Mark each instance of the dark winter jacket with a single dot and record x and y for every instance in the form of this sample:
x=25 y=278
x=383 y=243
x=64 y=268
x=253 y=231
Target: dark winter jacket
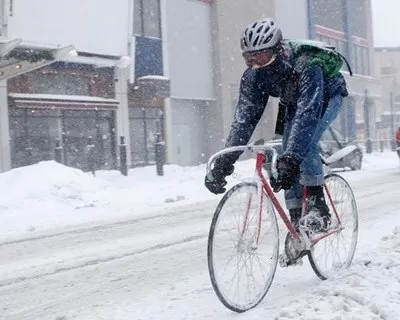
x=306 y=93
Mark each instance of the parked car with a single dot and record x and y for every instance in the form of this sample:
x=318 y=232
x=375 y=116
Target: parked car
x=332 y=141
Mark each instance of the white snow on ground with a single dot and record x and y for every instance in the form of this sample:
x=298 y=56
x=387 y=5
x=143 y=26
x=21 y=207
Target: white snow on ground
x=48 y=197
x=370 y=289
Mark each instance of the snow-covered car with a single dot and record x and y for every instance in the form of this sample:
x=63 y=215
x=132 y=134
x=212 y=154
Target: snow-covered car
x=333 y=140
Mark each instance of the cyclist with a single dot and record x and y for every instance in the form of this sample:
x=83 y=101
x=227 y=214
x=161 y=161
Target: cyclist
x=311 y=102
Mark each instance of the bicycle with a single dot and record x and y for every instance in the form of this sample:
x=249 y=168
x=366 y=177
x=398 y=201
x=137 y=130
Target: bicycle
x=243 y=252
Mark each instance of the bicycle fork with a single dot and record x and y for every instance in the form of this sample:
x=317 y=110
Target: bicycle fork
x=247 y=218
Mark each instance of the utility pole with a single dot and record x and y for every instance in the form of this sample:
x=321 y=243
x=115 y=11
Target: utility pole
x=392 y=131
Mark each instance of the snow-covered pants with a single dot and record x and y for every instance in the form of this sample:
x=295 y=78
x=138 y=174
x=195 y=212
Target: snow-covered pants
x=312 y=173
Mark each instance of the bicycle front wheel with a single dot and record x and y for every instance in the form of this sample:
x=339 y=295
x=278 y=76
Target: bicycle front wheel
x=243 y=247
x=335 y=253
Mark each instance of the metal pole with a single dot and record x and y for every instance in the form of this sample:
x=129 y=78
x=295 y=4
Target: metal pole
x=59 y=152
x=123 y=157
x=159 y=146
x=368 y=145
x=311 y=24
x=91 y=155
x=347 y=31
x=392 y=131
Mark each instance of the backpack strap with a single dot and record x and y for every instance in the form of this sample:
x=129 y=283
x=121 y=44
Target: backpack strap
x=346 y=62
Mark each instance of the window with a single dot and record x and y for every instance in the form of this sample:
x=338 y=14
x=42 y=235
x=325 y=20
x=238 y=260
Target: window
x=65 y=84
x=34 y=133
x=360 y=55
x=365 y=55
x=342 y=48
x=147 y=18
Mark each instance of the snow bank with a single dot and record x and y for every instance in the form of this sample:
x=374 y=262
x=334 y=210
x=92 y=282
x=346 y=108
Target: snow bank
x=46 y=182
x=370 y=290
x=49 y=195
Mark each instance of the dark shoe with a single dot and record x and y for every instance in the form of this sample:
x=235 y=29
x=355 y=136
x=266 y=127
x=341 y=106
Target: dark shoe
x=318 y=216
x=315 y=222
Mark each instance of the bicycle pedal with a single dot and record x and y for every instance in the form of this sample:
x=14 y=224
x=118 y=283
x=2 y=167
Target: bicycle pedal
x=285 y=262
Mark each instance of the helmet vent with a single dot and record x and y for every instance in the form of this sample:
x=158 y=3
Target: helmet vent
x=267 y=29
x=256 y=40
x=268 y=39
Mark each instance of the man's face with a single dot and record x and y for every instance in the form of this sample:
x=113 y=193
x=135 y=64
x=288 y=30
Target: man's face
x=258 y=59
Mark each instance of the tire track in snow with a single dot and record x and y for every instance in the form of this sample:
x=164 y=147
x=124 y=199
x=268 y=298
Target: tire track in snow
x=167 y=213
x=98 y=261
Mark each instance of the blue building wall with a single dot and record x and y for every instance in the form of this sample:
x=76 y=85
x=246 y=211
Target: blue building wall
x=149 y=59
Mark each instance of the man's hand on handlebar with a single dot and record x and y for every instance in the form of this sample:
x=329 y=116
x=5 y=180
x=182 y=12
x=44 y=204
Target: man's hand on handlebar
x=215 y=180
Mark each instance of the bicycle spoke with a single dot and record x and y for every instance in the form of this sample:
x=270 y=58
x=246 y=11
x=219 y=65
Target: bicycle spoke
x=243 y=253
x=335 y=252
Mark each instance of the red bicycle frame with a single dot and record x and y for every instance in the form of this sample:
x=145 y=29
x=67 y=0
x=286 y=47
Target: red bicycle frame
x=266 y=187
x=259 y=164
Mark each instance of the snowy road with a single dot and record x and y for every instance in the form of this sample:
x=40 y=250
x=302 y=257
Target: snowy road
x=156 y=268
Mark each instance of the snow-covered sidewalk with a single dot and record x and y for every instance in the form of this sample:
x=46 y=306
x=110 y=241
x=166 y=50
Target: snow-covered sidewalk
x=48 y=195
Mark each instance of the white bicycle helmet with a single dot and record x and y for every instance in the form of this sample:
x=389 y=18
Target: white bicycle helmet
x=259 y=35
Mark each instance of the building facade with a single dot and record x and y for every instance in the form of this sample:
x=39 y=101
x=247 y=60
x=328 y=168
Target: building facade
x=189 y=65
x=345 y=24
x=388 y=67
x=142 y=69
x=98 y=93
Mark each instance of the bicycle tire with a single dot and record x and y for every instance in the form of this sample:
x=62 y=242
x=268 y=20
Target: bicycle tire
x=345 y=203
x=244 y=245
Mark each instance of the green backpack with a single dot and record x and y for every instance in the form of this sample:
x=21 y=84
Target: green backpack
x=309 y=52
x=306 y=53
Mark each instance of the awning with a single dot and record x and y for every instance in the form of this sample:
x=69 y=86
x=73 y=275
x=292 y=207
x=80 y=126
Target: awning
x=53 y=101
x=151 y=87
x=18 y=57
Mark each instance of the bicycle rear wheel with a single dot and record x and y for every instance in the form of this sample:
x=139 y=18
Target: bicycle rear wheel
x=335 y=253
x=243 y=247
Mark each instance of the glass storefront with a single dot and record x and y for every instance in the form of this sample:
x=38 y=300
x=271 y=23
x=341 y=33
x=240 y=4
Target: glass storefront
x=34 y=133
x=144 y=125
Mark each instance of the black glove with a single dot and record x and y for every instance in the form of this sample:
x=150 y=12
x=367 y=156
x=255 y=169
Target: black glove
x=275 y=184
x=215 y=179
x=288 y=171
